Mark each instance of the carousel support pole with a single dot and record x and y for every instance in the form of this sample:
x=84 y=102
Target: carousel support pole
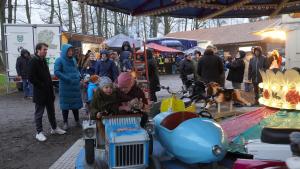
x=219 y=107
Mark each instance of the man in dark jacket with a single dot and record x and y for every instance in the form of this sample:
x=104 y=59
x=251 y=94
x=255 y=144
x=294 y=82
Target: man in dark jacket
x=153 y=76
x=43 y=94
x=22 y=67
x=258 y=62
x=236 y=70
x=210 y=67
x=106 y=67
x=186 y=70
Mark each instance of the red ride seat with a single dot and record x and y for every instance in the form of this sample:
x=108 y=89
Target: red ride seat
x=174 y=119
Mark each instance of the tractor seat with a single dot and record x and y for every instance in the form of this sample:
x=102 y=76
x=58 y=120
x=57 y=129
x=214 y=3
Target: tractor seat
x=174 y=119
x=277 y=135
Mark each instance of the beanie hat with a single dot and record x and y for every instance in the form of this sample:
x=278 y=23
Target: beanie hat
x=242 y=54
x=125 y=79
x=105 y=81
x=104 y=51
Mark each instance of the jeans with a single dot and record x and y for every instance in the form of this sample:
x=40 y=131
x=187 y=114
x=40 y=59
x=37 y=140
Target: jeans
x=248 y=87
x=27 y=88
x=38 y=115
x=65 y=114
x=236 y=85
x=174 y=68
x=256 y=91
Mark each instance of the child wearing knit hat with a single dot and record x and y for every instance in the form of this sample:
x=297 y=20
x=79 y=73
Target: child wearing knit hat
x=107 y=99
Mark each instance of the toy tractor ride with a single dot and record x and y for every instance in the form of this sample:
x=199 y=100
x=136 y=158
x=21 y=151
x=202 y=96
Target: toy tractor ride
x=125 y=144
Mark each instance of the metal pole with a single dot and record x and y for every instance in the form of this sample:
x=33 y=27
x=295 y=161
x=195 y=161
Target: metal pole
x=2 y=20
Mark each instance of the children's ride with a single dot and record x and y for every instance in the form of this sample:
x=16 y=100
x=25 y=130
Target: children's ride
x=126 y=143
x=189 y=136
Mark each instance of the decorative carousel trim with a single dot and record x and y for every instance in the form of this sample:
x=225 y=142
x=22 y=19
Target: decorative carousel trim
x=280 y=90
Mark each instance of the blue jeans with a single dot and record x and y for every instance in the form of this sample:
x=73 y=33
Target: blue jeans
x=174 y=69
x=27 y=88
x=248 y=87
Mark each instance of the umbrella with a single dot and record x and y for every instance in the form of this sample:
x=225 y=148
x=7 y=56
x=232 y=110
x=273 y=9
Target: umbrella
x=117 y=41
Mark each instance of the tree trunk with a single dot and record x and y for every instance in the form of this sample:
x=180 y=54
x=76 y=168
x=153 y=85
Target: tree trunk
x=10 y=8
x=70 y=11
x=138 y=27
x=92 y=21
x=59 y=13
x=153 y=26
x=15 y=11
x=28 y=11
x=167 y=24
x=83 y=23
x=74 y=22
x=196 y=24
x=185 y=24
x=2 y=20
x=105 y=23
x=122 y=23
x=99 y=20
x=52 y=12
x=116 y=30
x=126 y=25
x=87 y=18
x=145 y=29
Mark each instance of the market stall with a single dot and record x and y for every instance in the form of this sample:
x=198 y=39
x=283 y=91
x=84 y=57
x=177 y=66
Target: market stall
x=166 y=58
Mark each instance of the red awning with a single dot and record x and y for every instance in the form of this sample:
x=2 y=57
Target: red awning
x=161 y=48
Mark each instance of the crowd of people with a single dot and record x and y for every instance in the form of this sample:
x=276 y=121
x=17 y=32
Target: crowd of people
x=242 y=69
x=102 y=85
x=105 y=84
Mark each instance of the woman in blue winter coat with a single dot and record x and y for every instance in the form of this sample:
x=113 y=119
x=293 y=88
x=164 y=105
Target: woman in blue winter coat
x=65 y=68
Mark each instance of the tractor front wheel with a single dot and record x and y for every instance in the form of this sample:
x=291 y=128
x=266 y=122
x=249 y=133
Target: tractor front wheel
x=89 y=151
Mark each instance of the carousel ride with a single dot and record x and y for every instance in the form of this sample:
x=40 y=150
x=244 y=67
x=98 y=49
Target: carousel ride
x=265 y=134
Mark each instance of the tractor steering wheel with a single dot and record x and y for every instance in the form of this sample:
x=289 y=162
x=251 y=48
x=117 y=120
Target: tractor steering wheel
x=206 y=114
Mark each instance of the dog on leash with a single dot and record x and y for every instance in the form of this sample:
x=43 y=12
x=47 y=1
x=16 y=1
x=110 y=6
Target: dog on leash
x=220 y=95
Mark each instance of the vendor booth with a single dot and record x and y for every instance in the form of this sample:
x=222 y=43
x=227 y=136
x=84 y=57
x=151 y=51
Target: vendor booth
x=165 y=57
x=85 y=42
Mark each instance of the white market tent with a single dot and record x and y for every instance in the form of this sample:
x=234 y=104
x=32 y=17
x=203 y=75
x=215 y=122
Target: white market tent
x=117 y=41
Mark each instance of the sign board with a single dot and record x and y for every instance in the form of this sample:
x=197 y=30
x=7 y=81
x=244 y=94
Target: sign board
x=19 y=36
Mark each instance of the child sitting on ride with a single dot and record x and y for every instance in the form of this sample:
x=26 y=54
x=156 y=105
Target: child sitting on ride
x=127 y=84
x=107 y=99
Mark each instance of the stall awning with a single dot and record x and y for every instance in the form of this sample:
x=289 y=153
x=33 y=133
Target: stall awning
x=161 y=48
x=202 y=9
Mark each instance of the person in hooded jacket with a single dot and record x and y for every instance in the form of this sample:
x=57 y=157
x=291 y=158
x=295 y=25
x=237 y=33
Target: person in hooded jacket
x=187 y=70
x=153 y=76
x=258 y=62
x=22 y=67
x=125 y=57
x=106 y=67
x=65 y=68
x=236 y=70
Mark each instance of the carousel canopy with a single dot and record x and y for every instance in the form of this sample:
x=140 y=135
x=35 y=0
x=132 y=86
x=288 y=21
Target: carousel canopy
x=202 y=9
